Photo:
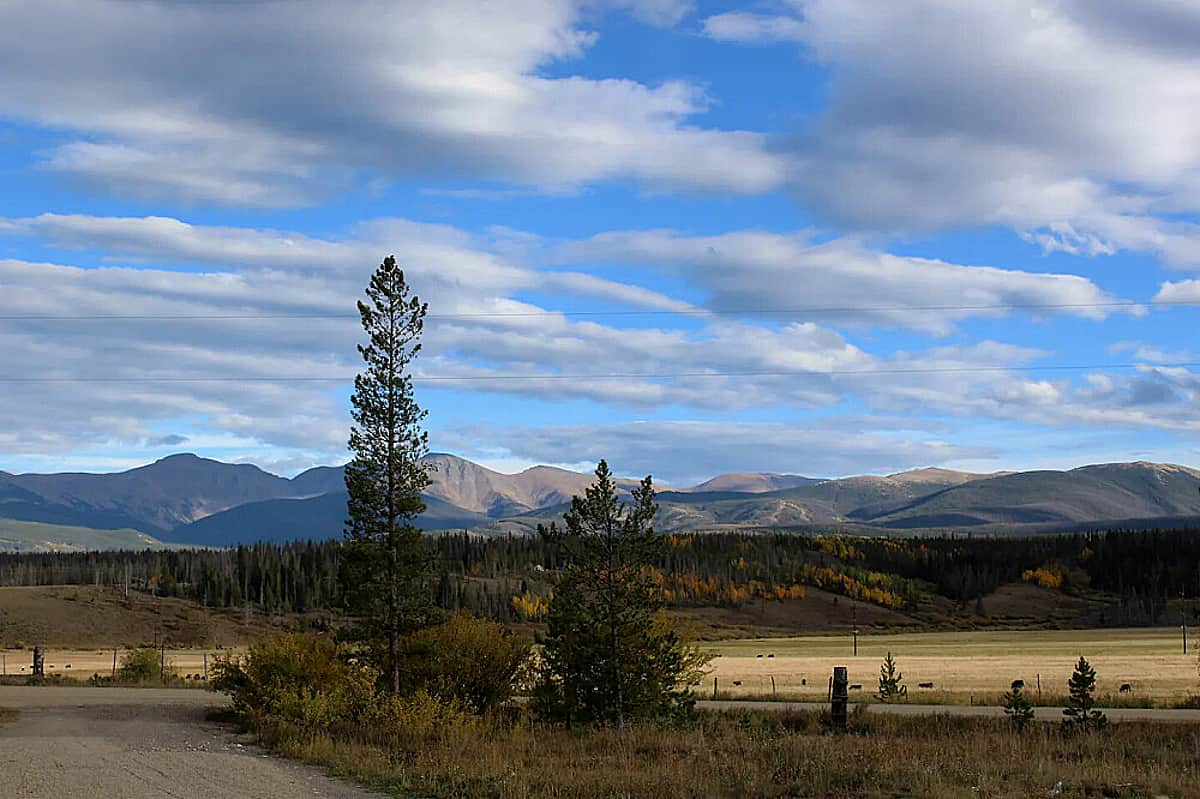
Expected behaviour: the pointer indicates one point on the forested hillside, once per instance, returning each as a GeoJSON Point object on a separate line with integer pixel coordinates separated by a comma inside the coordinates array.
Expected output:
{"type": "Point", "coordinates": [1135, 574]}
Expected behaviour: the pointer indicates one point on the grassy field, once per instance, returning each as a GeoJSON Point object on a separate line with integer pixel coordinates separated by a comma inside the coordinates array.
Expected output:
{"type": "Point", "coordinates": [7, 715]}
{"type": "Point", "coordinates": [965, 666]}
{"type": "Point", "coordinates": [80, 664]}
{"type": "Point", "coordinates": [765, 755]}
{"type": "Point", "coordinates": [19, 536]}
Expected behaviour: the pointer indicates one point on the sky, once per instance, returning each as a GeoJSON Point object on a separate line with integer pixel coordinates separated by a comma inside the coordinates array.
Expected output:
{"type": "Point", "coordinates": [824, 237]}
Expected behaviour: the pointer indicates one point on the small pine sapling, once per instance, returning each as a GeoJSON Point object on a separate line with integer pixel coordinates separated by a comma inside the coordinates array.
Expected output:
{"type": "Point", "coordinates": [1018, 708]}
{"type": "Point", "coordinates": [1080, 712]}
{"type": "Point", "coordinates": [891, 681]}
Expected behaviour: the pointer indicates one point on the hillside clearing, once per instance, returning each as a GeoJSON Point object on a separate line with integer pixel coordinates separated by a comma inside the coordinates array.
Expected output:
{"type": "Point", "coordinates": [88, 617]}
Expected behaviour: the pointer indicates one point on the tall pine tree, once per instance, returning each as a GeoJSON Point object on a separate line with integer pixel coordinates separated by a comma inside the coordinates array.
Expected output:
{"type": "Point", "coordinates": [386, 564]}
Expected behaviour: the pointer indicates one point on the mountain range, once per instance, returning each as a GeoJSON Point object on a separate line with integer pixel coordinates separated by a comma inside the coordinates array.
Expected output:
{"type": "Point", "coordinates": [185, 499]}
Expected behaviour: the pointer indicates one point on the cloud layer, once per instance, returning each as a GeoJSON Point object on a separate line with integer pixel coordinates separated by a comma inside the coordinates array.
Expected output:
{"type": "Point", "coordinates": [229, 103]}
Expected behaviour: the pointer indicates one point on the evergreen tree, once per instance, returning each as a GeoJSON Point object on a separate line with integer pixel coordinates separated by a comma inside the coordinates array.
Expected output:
{"type": "Point", "coordinates": [386, 563]}
{"type": "Point", "coordinates": [608, 657]}
{"type": "Point", "coordinates": [1080, 713]}
{"type": "Point", "coordinates": [891, 681]}
{"type": "Point", "coordinates": [1018, 709]}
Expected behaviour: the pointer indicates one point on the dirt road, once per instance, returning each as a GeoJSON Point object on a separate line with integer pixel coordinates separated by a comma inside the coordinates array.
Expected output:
{"type": "Point", "coordinates": [89, 743]}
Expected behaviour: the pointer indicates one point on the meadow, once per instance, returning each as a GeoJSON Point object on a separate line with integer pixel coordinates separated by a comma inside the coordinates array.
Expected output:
{"type": "Point", "coordinates": [770, 755]}
{"type": "Point", "coordinates": [964, 667]}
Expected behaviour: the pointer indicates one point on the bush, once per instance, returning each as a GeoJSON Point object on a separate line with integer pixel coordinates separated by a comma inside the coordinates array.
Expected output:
{"type": "Point", "coordinates": [144, 665]}
{"type": "Point", "coordinates": [466, 660]}
{"type": "Point", "coordinates": [296, 677]}
{"type": "Point", "coordinates": [417, 717]}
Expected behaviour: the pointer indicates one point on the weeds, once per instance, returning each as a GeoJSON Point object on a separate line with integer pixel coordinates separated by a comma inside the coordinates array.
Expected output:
{"type": "Point", "coordinates": [758, 754]}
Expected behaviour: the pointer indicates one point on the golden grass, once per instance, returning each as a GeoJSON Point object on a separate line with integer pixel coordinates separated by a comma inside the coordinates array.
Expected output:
{"type": "Point", "coordinates": [768, 755]}
{"type": "Point", "coordinates": [963, 666]}
{"type": "Point", "coordinates": [86, 662]}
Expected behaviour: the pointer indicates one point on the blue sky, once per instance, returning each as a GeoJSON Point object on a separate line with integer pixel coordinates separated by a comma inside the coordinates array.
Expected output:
{"type": "Point", "coordinates": [826, 237]}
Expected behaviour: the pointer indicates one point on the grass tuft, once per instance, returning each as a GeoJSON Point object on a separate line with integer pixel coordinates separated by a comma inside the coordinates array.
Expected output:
{"type": "Point", "coordinates": [756, 754]}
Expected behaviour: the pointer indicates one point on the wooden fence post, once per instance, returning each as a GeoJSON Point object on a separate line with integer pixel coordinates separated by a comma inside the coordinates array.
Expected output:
{"type": "Point", "coordinates": [714, 688]}
{"type": "Point", "coordinates": [839, 697]}
{"type": "Point", "coordinates": [39, 662]}
{"type": "Point", "coordinates": [772, 685]}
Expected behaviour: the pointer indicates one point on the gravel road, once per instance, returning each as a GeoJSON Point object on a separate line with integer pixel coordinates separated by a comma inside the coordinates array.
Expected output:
{"type": "Point", "coordinates": [95, 743]}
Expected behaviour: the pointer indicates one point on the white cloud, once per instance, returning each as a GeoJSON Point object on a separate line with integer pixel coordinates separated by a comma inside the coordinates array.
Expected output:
{"type": "Point", "coordinates": [225, 102]}
{"type": "Point", "coordinates": [741, 26]}
{"type": "Point", "coordinates": [721, 365]}
{"type": "Point", "coordinates": [1071, 120]}
{"type": "Point", "coordinates": [760, 274]}
{"type": "Point", "coordinates": [684, 453]}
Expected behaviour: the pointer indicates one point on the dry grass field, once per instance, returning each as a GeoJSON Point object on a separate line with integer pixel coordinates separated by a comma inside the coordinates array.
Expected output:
{"type": "Point", "coordinates": [81, 664]}
{"type": "Point", "coordinates": [964, 665]}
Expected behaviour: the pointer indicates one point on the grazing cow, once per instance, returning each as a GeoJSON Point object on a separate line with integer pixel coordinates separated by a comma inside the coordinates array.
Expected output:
{"type": "Point", "coordinates": [924, 685]}
{"type": "Point", "coordinates": [855, 687]}
{"type": "Point", "coordinates": [737, 682]}
{"type": "Point", "coordinates": [68, 665]}
{"type": "Point", "coordinates": [803, 681]}
{"type": "Point", "coordinates": [771, 655]}
{"type": "Point", "coordinates": [1018, 684]}
{"type": "Point", "coordinates": [758, 655]}
{"type": "Point", "coordinates": [1126, 688]}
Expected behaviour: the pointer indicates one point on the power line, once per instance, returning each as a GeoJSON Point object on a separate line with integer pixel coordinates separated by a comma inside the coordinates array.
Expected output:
{"type": "Point", "coordinates": [748, 311]}
{"type": "Point", "coordinates": [615, 375]}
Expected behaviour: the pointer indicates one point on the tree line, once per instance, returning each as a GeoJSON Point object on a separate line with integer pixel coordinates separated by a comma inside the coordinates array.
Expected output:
{"type": "Point", "coordinates": [509, 578]}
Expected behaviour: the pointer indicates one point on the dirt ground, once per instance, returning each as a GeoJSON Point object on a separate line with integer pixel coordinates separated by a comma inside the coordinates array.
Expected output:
{"type": "Point", "coordinates": [138, 744]}
{"type": "Point", "coordinates": [83, 617]}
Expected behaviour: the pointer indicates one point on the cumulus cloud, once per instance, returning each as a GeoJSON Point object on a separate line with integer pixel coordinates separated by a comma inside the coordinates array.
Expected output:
{"type": "Point", "coordinates": [685, 453]}
{"type": "Point", "coordinates": [741, 26]}
{"type": "Point", "coordinates": [761, 274]}
{"type": "Point", "coordinates": [194, 344]}
{"type": "Point", "coordinates": [1071, 121]}
{"type": "Point", "coordinates": [228, 103]}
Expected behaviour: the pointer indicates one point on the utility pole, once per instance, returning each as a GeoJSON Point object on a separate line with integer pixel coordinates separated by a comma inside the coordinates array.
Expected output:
{"type": "Point", "coordinates": [1183, 621]}
{"type": "Point", "coordinates": [854, 624]}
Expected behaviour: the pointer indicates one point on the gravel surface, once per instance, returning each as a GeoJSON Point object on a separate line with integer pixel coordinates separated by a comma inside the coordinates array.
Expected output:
{"type": "Point", "coordinates": [95, 743]}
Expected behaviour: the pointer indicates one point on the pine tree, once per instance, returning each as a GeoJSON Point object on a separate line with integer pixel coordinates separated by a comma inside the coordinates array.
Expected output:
{"type": "Point", "coordinates": [891, 681]}
{"type": "Point", "coordinates": [608, 657]}
{"type": "Point", "coordinates": [1079, 712]}
{"type": "Point", "coordinates": [386, 563]}
{"type": "Point", "coordinates": [1018, 709]}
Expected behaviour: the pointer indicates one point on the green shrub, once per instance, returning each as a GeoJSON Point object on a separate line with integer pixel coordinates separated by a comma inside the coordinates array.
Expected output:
{"type": "Point", "coordinates": [144, 665]}
{"type": "Point", "coordinates": [466, 660]}
{"type": "Point", "coordinates": [417, 717]}
{"type": "Point", "coordinates": [296, 677]}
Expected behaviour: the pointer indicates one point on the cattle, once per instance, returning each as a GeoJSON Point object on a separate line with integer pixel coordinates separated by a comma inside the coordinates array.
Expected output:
{"type": "Point", "coordinates": [855, 687]}
{"type": "Point", "coordinates": [758, 655]}
{"type": "Point", "coordinates": [1018, 684]}
{"type": "Point", "coordinates": [803, 681]}
{"type": "Point", "coordinates": [1126, 688]}
{"type": "Point", "coordinates": [737, 682]}
{"type": "Point", "coordinates": [771, 655]}
{"type": "Point", "coordinates": [924, 685]}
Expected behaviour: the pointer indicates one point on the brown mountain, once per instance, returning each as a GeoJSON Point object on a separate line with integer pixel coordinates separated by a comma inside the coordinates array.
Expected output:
{"type": "Point", "coordinates": [753, 482]}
